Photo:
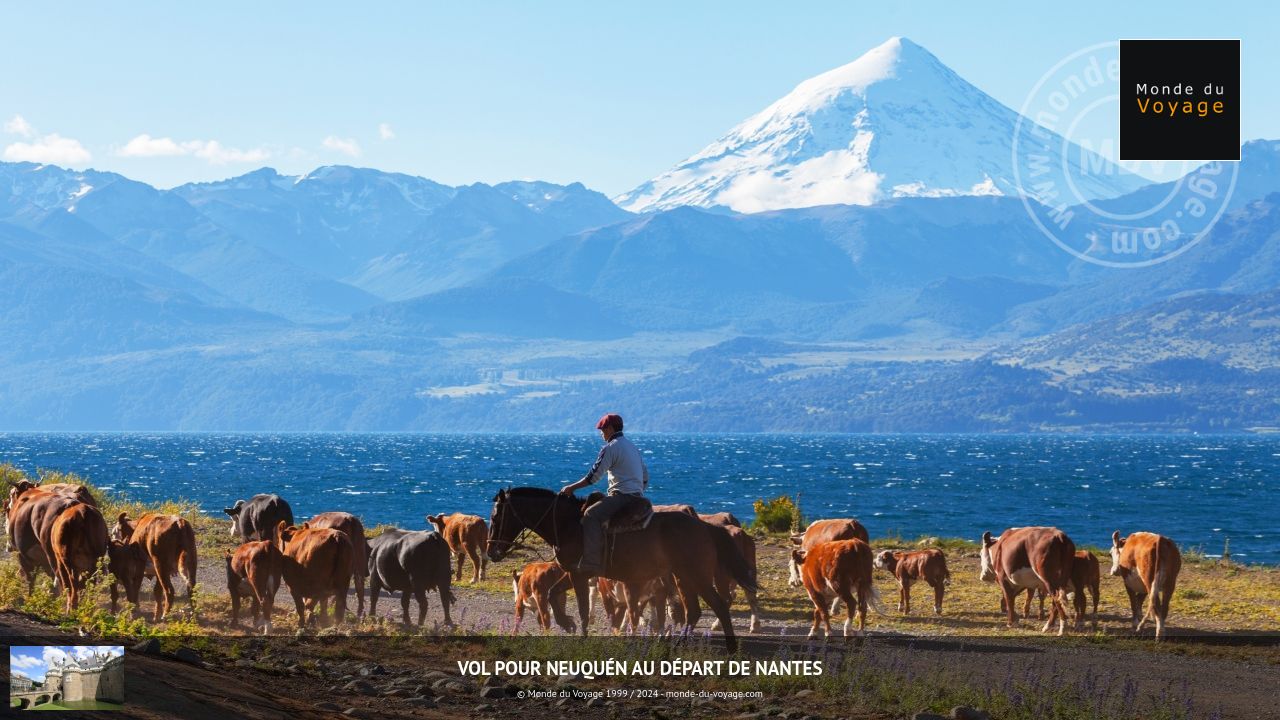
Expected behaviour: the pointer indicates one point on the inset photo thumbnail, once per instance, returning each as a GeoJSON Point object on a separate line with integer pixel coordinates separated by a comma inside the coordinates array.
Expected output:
{"type": "Point", "coordinates": [66, 677]}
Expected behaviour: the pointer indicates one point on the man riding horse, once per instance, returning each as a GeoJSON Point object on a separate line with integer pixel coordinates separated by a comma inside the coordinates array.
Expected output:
{"type": "Point", "coordinates": [628, 479]}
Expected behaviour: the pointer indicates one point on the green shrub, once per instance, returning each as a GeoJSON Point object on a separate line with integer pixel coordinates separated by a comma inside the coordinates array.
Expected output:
{"type": "Point", "coordinates": [779, 515]}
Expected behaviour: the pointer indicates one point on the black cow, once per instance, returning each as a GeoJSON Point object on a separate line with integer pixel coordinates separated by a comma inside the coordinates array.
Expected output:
{"type": "Point", "coordinates": [257, 518]}
{"type": "Point", "coordinates": [411, 563]}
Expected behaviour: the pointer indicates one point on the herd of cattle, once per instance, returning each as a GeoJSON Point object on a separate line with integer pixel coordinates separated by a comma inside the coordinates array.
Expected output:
{"type": "Point", "coordinates": [59, 529]}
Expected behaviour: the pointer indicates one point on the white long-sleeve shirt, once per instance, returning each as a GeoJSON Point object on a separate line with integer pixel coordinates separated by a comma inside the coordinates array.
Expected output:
{"type": "Point", "coordinates": [622, 461]}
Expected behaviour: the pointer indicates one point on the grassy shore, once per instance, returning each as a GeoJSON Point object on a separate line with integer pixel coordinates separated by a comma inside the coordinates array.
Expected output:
{"type": "Point", "coordinates": [1215, 602]}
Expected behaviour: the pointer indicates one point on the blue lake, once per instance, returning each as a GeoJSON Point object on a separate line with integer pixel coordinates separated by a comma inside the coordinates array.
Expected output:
{"type": "Point", "coordinates": [1199, 490]}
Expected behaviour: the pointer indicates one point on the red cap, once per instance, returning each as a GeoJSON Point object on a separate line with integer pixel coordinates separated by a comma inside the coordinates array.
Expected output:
{"type": "Point", "coordinates": [610, 420]}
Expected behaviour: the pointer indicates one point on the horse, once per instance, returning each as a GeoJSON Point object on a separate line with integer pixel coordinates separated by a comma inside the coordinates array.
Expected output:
{"type": "Point", "coordinates": [672, 542]}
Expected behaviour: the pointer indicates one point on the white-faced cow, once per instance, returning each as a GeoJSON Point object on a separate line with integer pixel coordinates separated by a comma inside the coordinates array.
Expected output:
{"type": "Point", "coordinates": [257, 518]}
{"type": "Point", "coordinates": [820, 531]}
{"type": "Point", "coordinates": [1030, 557]}
{"type": "Point", "coordinates": [911, 567]}
{"type": "Point", "coordinates": [1149, 564]}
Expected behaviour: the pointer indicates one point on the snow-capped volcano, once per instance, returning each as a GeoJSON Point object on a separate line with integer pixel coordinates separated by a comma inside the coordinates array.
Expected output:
{"type": "Point", "coordinates": [895, 122]}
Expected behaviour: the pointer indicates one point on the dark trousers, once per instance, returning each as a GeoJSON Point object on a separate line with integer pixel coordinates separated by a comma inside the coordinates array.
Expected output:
{"type": "Point", "coordinates": [593, 524]}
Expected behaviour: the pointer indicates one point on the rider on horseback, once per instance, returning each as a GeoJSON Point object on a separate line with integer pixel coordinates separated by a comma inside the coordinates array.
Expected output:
{"type": "Point", "coordinates": [628, 479]}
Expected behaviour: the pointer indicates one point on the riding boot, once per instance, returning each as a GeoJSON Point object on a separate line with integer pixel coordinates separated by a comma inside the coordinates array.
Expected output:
{"type": "Point", "coordinates": [592, 546]}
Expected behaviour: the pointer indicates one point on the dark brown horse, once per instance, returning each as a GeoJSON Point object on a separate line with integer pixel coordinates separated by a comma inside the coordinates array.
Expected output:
{"type": "Point", "coordinates": [673, 542]}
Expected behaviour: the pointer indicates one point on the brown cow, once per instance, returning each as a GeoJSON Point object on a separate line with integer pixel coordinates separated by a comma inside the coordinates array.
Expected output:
{"type": "Point", "coordinates": [77, 540]}
{"type": "Point", "coordinates": [254, 571]}
{"type": "Point", "coordinates": [820, 531]}
{"type": "Point", "coordinates": [25, 491]}
{"type": "Point", "coordinates": [169, 543]}
{"type": "Point", "coordinates": [351, 525]}
{"type": "Point", "coordinates": [723, 519]}
{"type": "Point", "coordinates": [1084, 577]}
{"type": "Point", "coordinates": [1149, 564]}
{"type": "Point", "coordinates": [685, 508]}
{"type": "Point", "coordinates": [316, 565]}
{"type": "Point", "coordinates": [837, 570]}
{"type": "Point", "coordinates": [29, 523]}
{"type": "Point", "coordinates": [910, 567]}
{"type": "Point", "coordinates": [542, 587]}
{"type": "Point", "coordinates": [466, 535]}
{"type": "Point", "coordinates": [1030, 557]}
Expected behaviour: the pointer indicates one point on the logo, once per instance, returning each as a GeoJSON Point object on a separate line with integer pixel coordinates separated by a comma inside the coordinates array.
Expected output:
{"type": "Point", "coordinates": [1123, 214]}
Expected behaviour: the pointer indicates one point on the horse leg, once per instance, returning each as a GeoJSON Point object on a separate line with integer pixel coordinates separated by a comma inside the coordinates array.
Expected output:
{"type": "Point", "coordinates": [938, 591]}
{"type": "Point", "coordinates": [721, 609]}
{"type": "Point", "coordinates": [660, 608]}
{"type": "Point", "coordinates": [404, 606]}
{"type": "Point", "coordinates": [582, 593]}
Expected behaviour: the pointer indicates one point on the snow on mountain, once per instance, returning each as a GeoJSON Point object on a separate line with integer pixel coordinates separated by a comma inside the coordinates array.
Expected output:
{"type": "Point", "coordinates": [896, 122]}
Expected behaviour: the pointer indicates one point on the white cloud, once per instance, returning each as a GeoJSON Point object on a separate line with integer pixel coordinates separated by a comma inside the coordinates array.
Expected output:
{"type": "Point", "coordinates": [385, 132]}
{"type": "Point", "coordinates": [19, 126]}
{"type": "Point", "coordinates": [51, 148]}
{"type": "Point", "coordinates": [146, 146]}
{"type": "Point", "coordinates": [54, 654]}
{"type": "Point", "coordinates": [212, 151]}
{"type": "Point", "coordinates": [346, 146]}
{"type": "Point", "coordinates": [25, 662]}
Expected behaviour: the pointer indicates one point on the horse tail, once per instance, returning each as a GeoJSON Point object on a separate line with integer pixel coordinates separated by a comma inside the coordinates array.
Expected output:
{"type": "Point", "coordinates": [730, 557]}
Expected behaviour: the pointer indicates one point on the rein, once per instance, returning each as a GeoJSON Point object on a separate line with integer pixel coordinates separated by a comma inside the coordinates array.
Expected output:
{"type": "Point", "coordinates": [517, 541]}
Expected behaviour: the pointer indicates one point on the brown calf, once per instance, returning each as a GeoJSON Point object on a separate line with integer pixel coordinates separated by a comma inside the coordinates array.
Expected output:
{"type": "Point", "coordinates": [169, 544]}
{"type": "Point", "coordinates": [78, 540]}
{"type": "Point", "coordinates": [1030, 557]}
{"type": "Point", "coordinates": [351, 525]}
{"type": "Point", "coordinates": [127, 564]}
{"type": "Point", "coordinates": [466, 536]}
{"type": "Point", "coordinates": [254, 571]}
{"type": "Point", "coordinates": [316, 565]}
{"type": "Point", "coordinates": [624, 603]}
{"type": "Point", "coordinates": [542, 587]}
{"type": "Point", "coordinates": [837, 570]}
{"type": "Point", "coordinates": [910, 567]}
{"type": "Point", "coordinates": [1149, 564]}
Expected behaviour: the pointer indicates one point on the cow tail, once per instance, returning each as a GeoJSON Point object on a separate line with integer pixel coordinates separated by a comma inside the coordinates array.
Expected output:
{"type": "Point", "coordinates": [873, 598]}
{"type": "Point", "coordinates": [187, 553]}
{"type": "Point", "coordinates": [730, 557]}
{"type": "Point", "coordinates": [1157, 588]}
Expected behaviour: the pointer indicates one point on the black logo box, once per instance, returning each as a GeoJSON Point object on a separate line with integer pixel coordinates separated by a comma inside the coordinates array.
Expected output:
{"type": "Point", "coordinates": [1187, 68]}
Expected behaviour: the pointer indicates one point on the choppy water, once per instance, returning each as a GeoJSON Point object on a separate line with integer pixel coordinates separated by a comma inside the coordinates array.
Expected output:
{"type": "Point", "coordinates": [1197, 490]}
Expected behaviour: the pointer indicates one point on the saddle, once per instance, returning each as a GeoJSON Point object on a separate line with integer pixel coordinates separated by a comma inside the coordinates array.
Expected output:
{"type": "Point", "coordinates": [630, 520]}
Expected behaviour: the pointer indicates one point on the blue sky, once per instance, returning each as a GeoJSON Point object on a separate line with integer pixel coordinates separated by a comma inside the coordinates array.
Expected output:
{"type": "Point", "coordinates": [607, 94]}
{"type": "Point", "coordinates": [33, 661]}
